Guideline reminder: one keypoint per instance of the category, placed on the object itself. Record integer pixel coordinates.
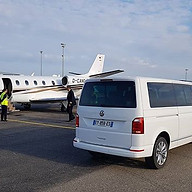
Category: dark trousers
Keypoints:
(70, 111)
(3, 112)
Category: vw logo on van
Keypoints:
(101, 113)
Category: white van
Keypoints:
(134, 117)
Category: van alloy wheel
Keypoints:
(160, 154)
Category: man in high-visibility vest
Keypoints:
(4, 105)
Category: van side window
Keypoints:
(109, 94)
(180, 95)
(183, 94)
(188, 94)
(161, 95)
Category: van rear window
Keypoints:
(109, 94)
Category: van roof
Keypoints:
(130, 78)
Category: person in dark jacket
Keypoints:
(71, 102)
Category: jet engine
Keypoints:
(65, 80)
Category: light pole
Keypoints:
(186, 70)
(41, 52)
(63, 45)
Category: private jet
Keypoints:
(28, 90)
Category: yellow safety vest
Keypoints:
(5, 101)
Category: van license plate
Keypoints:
(103, 123)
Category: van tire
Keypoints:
(160, 154)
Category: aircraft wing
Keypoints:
(106, 74)
(48, 100)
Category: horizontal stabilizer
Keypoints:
(6, 73)
(75, 73)
(106, 74)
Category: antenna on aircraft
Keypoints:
(63, 46)
(41, 52)
(186, 70)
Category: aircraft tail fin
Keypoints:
(97, 66)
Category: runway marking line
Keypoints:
(41, 124)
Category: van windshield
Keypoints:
(109, 94)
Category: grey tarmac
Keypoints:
(36, 154)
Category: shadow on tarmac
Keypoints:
(53, 144)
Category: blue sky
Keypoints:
(143, 37)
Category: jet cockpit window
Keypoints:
(35, 82)
(53, 82)
(17, 82)
(26, 82)
(43, 82)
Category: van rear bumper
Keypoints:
(132, 152)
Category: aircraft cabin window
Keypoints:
(26, 82)
(53, 82)
(43, 82)
(35, 82)
(17, 82)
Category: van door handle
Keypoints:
(168, 115)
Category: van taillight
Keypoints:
(77, 120)
(138, 126)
